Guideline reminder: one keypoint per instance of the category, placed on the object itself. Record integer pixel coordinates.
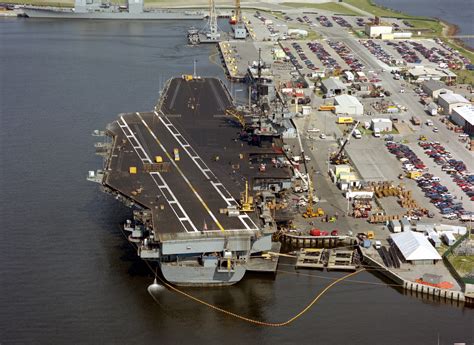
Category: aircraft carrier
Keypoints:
(96, 9)
(181, 166)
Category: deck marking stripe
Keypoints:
(163, 186)
(205, 171)
(219, 225)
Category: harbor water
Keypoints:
(67, 274)
(457, 12)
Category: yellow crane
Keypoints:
(246, 200)
(236, 115)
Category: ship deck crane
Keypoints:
(338, 157)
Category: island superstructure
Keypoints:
(95, 9)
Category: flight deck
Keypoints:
(178, 160)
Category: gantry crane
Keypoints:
(237, 16)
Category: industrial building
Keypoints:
(449, 101)
(349, 105)
(434, 88)
(333, 87)
(464, 116)
(376, 31)
(415, 248)
(420, 74)
(383, 125)
(240, 32)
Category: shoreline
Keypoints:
(449, 29)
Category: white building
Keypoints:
(383, 125)
(348, 105)
(421, 73)
(434, 88)
(449, 101)
(415, 248)
(464, 116)
(333, 87)
(240, 32)
(375, 31)
(297, 32)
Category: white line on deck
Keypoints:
(211, 214)
(208, 174)
(162, 186)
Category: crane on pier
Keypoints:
(237, 16)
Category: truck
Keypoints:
(406, 226)
(345, 120)
(395, 226)
(415, 120)
(449, 238)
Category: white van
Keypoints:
(377, 133)
(357, 134)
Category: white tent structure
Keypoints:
(415, 247)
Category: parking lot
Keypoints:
(411, 52)
(311, 56)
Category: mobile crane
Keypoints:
(339, 157)
(310, 212)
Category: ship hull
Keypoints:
(70, 14)
(182, 275)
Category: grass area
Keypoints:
(427, 27)
(463, 264)
(329, 6)
(369, 6)
(465, 77)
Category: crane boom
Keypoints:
(338, 154)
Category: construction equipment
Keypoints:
(176, 154)
(238, 116)
(187, 77)
(246, 200)
(310, 212)
(237, 16)
(338, 157)
(327, 107)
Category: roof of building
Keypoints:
(453, 98)
(420, 71)
(346, 100)
(415, 246)
(381, 120)
(466, 112)
(434, 85)
(333, 83)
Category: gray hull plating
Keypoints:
(109, 15)
(182, 275)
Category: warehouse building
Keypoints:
(376, 31)
(415, 248)
(333, 87)
(383, 125)
(449, 101)
(434, 88)
(348, 105)
(420, 74)
(464, 116)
